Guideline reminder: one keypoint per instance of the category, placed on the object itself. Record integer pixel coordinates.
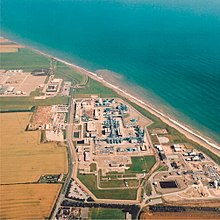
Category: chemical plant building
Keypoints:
(161, 152)
(53, 87)
(66, 88)
(41, 72)
(188, 171)
(19, 83)
(108, 128)
(109, 134)
(50, 119)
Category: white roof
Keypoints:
(56, 80)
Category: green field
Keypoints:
(68, 74)
(105, 213)
(141, 164)
(118, 183)
(95, 87)
(26, 103)
(89, 181)
(116, 175)
(24, 59)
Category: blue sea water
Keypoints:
(169, 48)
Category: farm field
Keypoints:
(27, 102)
(23, 59)
(27, 201)
(178, 215)
(23, 157)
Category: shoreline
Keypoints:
(157, 103)
(172, 122)
(185, 129)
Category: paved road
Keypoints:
(70, 159)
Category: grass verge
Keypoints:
(90, 182)
(105, 213)
(118, 183)
(26, 103)
(141, 164)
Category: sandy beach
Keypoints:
(185, 129)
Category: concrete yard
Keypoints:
(19, 83)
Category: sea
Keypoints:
(167, 51)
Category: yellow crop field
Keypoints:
(22, 157)
(27, 201)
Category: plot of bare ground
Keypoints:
(27, 201)
(198, 203)
(7, 46)
(43, 115)
(8, 49)
(178, 215)
(23, 157)
(23, 81)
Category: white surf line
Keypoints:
(162, 114)
(131, 96)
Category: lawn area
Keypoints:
(141, 164)
(25, 59)
(95, 87)
(119, 175)
(105, 213)
(89, 181)
(118, 183)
